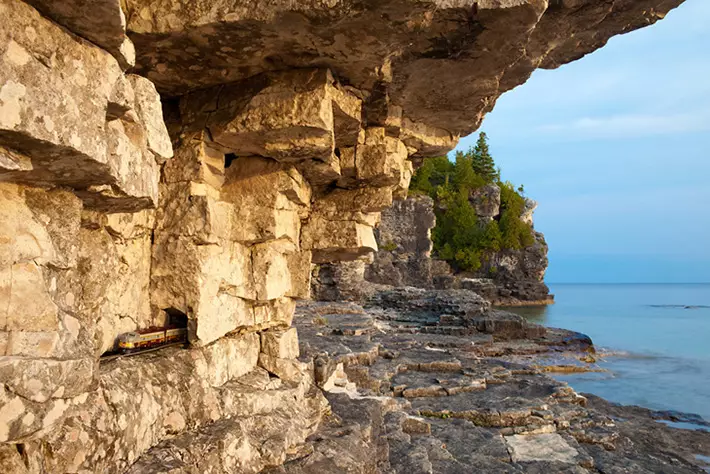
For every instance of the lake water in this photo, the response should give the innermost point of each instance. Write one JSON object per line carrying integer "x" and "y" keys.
{"x": 660, "y": 333}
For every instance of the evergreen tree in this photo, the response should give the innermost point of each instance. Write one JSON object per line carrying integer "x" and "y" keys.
{"x": 465, "y": 178}
{"x": 483, "y": 163}
{"x": 459, "y": 236}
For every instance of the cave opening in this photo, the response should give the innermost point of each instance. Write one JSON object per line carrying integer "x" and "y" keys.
{"x": 175, "y": 318}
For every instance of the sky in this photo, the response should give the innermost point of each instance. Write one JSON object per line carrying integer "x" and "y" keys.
{"x": 616, "y": 150}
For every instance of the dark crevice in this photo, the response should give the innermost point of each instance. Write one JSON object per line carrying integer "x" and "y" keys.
{"x": 23, "y": 454}
{"x": 229, "y": 159}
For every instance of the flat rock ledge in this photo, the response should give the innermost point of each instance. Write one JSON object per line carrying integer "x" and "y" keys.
{"x": 407, "y": 397}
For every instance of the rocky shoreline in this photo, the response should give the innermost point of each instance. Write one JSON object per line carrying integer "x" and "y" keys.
{"x": 426, "y": 381}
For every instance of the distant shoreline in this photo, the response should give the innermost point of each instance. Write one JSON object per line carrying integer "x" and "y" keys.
{"x": 627, "y": 283}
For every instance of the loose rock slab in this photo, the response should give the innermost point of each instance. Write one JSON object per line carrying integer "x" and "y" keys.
{"x": 541, "y": 447}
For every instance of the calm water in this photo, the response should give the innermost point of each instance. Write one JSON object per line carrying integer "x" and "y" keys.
{"x": 662, "y": 333}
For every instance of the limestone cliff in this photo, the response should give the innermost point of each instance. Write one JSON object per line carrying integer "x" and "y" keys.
{"x": 507, "y": 276}
{"x": 404, "y": 242}
{"x": 188, "y": 161}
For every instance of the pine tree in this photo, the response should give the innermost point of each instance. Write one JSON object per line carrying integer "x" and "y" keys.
{"x": 465, "y": 178}
{"x": 483, "y": 163}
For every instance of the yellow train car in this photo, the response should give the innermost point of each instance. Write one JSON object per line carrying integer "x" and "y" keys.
{"x": 150, "y": 338}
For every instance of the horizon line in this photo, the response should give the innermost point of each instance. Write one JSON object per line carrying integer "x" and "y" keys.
{"x": 629, "y": 283}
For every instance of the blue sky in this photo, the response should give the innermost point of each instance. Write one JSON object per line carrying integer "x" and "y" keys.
{"x": 616, "y": 149}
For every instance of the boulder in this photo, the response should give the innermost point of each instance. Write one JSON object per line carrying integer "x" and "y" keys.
{"x": 486, "y": 201}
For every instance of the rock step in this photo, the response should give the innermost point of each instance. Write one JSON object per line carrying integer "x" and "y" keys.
{"x": 271, "y": 425}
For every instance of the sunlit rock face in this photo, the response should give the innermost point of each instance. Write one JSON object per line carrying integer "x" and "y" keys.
{"x": 444, "y": 62}
{"x": 250, "y": 140}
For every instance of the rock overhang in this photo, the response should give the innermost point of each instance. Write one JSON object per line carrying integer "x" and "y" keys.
{"x": 443, "y": 63}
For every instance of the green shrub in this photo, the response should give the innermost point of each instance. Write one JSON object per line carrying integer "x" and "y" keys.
{"x": 389, "y": 247}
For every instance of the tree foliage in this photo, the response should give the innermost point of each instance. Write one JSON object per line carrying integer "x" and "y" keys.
{"x": 460, "y": 237}
{"x": 483, "y": 163}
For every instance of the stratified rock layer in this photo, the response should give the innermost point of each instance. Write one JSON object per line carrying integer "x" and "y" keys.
{"x": 251, "y": 140}
{"x": 414, "y": 389}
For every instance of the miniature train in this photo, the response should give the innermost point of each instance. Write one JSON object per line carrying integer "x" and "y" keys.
{"x": 150, "y": 338}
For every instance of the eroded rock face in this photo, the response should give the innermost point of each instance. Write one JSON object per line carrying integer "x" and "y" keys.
{"x": 53, "y": 132}
{"x": 415, "y": 390}
{"x": 101, "y": 22}
{"x": 474, "y": 51}
{"x": 293, "y": 125}
{"x": 404, "y": 238}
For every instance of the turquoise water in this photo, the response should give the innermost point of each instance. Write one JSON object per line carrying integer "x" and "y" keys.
{"x": 660, "y": 333}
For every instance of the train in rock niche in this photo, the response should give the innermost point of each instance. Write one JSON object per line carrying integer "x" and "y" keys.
{"x": 150, "y": 338}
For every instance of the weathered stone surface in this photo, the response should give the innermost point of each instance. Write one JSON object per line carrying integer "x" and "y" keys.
{"x": 195, "y": 160}
{"x": 268, "y": 198}
{"x": 289, "y": 116}
{"x": 321, "y": 173}
{"x": 42, "y": 248}
{"x": 341, "y": 281}
{"x": 472, "y": 53}
{"x": 55, "y": 133}
{"x": 101, "y": 22}
{"x": 231, "y": 357}
{"x": 426, "y": 140}
{"x": 285, "y": 369}
{"x": 486, "y": 200}
{"x": 540, "y": 447}
{"x": 507, "y": 277}
{"x": 267, "y": 139}
{"x": 530, "y": 206}
{"x": 380, "y": 161}
{"x": 43, "y": 104}
{"x": 140, "y": 403}
{"x": 273, "y": 277}
{"x": 150, "y": 114}
{"x": 332, "y": 241}
{"x": 404, "y": 240}
{"x": 342, "y": 204}
{"x": 442, "y": 404}
{"x": 208, "y": 283}
{"x": 280, "y": 343}
{"x": 275, "y": 313}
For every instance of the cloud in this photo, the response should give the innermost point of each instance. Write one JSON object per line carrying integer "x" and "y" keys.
{"x": 630, "y": 125}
